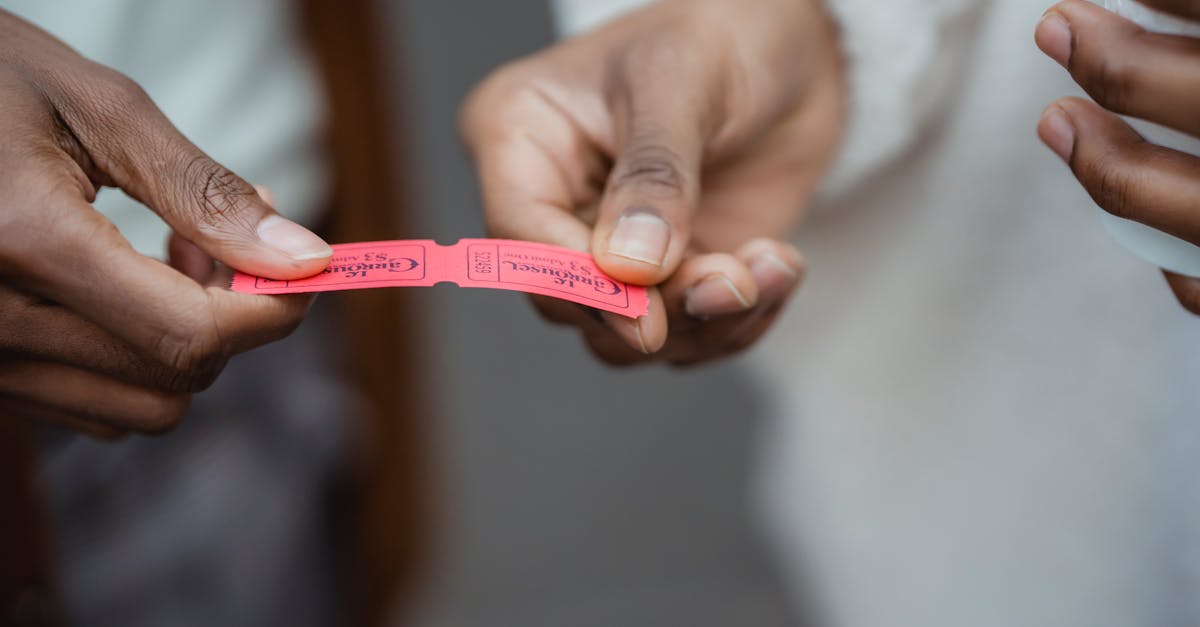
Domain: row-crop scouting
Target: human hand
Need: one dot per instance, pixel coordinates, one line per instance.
(1129, 71)
(92, 334)
(677, 145)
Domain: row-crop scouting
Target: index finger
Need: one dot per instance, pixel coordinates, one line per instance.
(525, 196)
(80, 260)
(536, 168)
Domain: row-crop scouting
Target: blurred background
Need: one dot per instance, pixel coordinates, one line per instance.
(571, 493)
(954, 445)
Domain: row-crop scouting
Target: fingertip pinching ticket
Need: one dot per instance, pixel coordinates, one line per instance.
(489, 263)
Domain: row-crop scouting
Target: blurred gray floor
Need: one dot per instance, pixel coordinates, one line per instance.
(574, 494)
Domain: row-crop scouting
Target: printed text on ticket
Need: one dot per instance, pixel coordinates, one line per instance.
(491, 263)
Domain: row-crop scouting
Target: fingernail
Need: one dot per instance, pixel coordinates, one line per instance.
(292, 239)
(773, 275)
(769, 263)
(1053, 36)
(1057, 131)
(637, 332)
(634, 327)
(714, 296)
(640, 235)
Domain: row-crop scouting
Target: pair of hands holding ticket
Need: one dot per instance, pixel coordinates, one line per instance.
(679, 145)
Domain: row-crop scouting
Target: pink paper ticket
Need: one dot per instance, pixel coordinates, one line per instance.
(492, 263)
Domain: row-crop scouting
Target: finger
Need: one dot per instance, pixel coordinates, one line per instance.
(707, 286)
(39, 330)
(1126, 175)
(536, 167)
(614, 350)
(711, 300)
(265, 194)
(540, 172)
(45, 331)
(557, 311)
(188, 258)
(1186, 289)
(646, 334)
(1125, 68)
(707, 300)
(91, 398)
(773, 268)
(723, 338)
(777, 267)
(13, 407)
(528, 196)
(141, 152)
(524, 196)
(662, 115)
(639, 335)
(165, 316)
(758, 269)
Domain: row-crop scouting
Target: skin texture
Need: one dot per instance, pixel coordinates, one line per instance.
(706, 124)
(92, 334)
(1129, 71)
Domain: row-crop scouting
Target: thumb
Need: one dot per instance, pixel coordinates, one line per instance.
(645, 218)
(203, 201)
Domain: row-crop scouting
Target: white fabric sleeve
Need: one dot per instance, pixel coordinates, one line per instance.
(902, 55)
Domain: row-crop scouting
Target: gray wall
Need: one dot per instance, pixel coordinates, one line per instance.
(573, 494)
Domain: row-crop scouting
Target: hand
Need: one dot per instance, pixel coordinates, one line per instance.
(93, 334)
(677, 145)
(1129, 71)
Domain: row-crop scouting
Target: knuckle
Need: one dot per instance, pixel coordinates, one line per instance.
(651, 166)
(218, 198)
(114, 98)
(672, 51)
(502, 225)
(1108, 76)
(123, 87)
(494, 101)
(45, 222)
(1113, 185)
(192, 360)
(163, 415)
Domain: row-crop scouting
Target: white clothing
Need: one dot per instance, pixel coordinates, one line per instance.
(987, 411)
